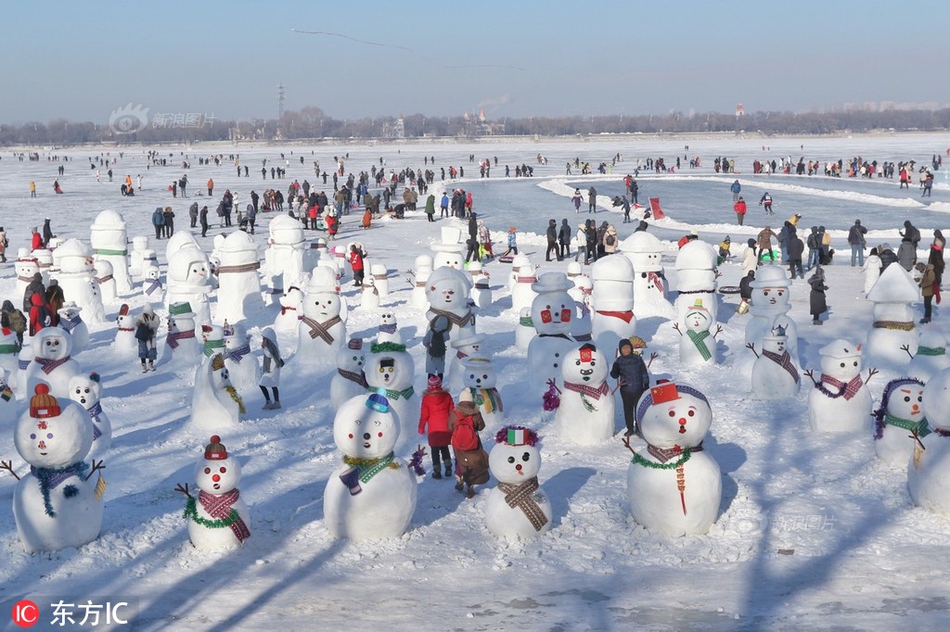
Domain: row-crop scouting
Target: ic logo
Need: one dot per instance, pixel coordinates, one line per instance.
(128, 120)
(25, 613)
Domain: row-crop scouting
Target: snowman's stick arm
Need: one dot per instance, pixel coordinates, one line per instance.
(183, 489)
(906, 349)
(8, 466)
(871, 373)
(626, 442)
(811, 376)
(96, 466)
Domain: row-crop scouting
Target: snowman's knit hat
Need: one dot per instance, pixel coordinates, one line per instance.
(516, 435)
(215, 451)
(43, 405)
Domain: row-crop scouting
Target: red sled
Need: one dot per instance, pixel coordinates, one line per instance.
(655, 209)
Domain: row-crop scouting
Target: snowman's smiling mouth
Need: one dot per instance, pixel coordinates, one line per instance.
(216, 486)
(366, 444)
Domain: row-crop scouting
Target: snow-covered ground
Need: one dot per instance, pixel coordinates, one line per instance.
(813, 532)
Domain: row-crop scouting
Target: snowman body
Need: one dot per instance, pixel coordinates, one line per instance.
(25, 267)
(381, 280)
(76, 276)
(369, 295)
(388, 328)
(931, 357)
(448, 292)
(612, 316)
(152, 288)
(774, 373)
(216, 478)
(421, 271)
(125, 343)
(586, 413)
(239, 285)
(320, 330)
(189, 281)
(524, 330)
(215, 404)
(110, 243)
(521, 293)
(894, 327)
(769, 310)
(243, 369)
(512, 466)
(900, 422)
(480, 380)
(552, 313)
(105, 280)
(697, 343)
(841, 402)
(928, 471)
(182, 346)
(349, 379)
(71, 320)
(644, 250)
(373, 495)
(285, 323)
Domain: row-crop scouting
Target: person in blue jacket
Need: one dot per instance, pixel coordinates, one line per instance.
(736, 188)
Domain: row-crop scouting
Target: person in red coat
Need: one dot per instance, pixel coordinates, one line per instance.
(37, 239)
(39, 313)
(740, 208)
(437, 405)
(356, 262)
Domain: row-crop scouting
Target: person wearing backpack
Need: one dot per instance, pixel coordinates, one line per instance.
(35, 286)
(435, 344)
(39, 313)
(610, 240)
(14, 319)
(437, 406)
(471, 460)
(146, 326)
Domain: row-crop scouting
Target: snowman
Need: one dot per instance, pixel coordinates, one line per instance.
(341, 261)
(212, 342)
(893, 333)
(698, 344)
(388, 328)
(466, 344)
(24, 360)
(840, 401)
(25, 267)
(140, 255)
(645, 251)
(182, 346)
(8, 405)
(369, 295)
(189, 281)
(283, 257)
(516, 507)
(900, 422)
(321, 329)
(215, 403)
(71, 321)
(931, 356)
(152, 284)
(110, 243)
(928, 470)
(450, 250)
(52, 362)
(349, 379)
(241, 364)
(9, 351)
(524, 331)
(770, 305)
(181, 240)
(611, 302)
(389, 371)
(448, 292)
(218, 518)
(125, 343)
(373, 495)
(481, 290)
(86, 390)
(585, 415)
(519, 261)
(77, 279)
(58, 505)
(239, 286)
(422, 268)
(380, 279)
(774, 373)
(480, 381)
(44, 259)
(521, 293)
(674, 486)
(105, 279)
(551, 312)
(696, 278)
(285, 324)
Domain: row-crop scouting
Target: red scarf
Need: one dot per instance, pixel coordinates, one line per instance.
(173, 337)
(49, 366)
(849, 390)
(219, 507)
(624, 316)
(585, 389)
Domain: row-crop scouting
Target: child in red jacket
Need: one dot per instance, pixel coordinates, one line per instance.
(437, 405)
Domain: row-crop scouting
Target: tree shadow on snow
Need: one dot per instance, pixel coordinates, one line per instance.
(561, 488)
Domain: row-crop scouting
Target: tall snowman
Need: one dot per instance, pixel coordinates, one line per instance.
(770, 304)
(111, 243)
(612, 315)
(422, 268)
(552, 312)
(374, 494)
(516, 507)
(450, 249)
(696, 277)
(645, 252)
(522, 295)
(215, 403)
(390, 371)
(283, 257)
(674, 486)
(77, 278)
(893, 333)
(59, 504)
(586, 412)
(928, 472)
(697, 341)
(840, 401)
(321, 322)
(931, 356)
(774, 373)
(189, 281)
(239, 285)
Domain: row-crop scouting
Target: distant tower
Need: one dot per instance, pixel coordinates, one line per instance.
(280, 101)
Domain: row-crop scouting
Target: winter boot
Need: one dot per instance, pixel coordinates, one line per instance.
(436, 474)
(448, 469)
(470, 493)
(151, 365)
(458, 484)
(275, 405)
(144, 368)
(267, 405)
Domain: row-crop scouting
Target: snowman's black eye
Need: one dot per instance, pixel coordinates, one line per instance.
(511, 459)
(526, 457)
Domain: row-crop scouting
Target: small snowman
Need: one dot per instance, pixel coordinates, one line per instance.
(524, 331)
(448, 292)
(521, 293)
(480, 381)
(56, 506)
(388, 328)
(181, 343)
(373, 495)
(380, 276)
(239, 285)
(218, 518)
(71, 321)
(321, 327)
(241, 365)
(931, 356)
(449, 251)
(422, 268)
(675, 486)
(369, 295)
(86, 390)
(466, 344)
(25, 267)
(152, 287)
(349, 379)
(900, 422)
(774, 374)
(481, 290)
(285, 324)
(516, 507)
(215, 403)
(698, 345)
(841, 401)
(770, 304)
(585, 415)
(9, 349)
(105, 279)
(389, 371)
(928, 471)
(125, 343)
(52, 362)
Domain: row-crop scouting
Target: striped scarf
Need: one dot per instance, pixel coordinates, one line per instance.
(849, 390)
(70, 323)
(368, 468)
(520, 496)
(698, 338)
(353, 376)
(586, 389)
(221, 508)
(174, 336)
(784, 360)
(94, 411)
(320, 329)
(153, 285)
(455, 319)
(211, 347)
(49, 366)
(393, 394)
(657, 281)
(237, 354)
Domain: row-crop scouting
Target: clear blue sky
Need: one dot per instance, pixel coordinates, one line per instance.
(81, 60)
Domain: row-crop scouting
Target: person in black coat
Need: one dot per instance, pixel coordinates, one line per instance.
(203, 220)
(473, 226)
(887, 256)
(633, 378)
(910, 232)
(35, 287)
(816, 299)
(48, 232)
(564, 240)
(552, 241)
(795, 249)
(591, 233)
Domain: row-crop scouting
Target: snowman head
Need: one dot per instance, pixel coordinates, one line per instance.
(775, 342)
(552, 308)
(350, 357)
(479, 373)
(237, 338)
(103, 268)
(387, 318)
(52, 343)
(216, 472)
(697, 317)
(180, 317)
(937, 400)
(467, 344)
(26, 267)
(770, 290)
(322, 305)
(85, 390)
(903, 398)
(291, 298)
(366, 427)
(674, 415)
(448, 289)
(585, 365)
(52, 433)
(151, 273)
(449, 258)
(69, 311)
(841, 360)
(516, 457)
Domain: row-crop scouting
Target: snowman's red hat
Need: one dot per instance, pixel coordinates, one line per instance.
(516, 435)
(215, 451)
(43, 405)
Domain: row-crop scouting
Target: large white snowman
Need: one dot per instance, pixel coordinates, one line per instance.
(111, 243)
(450, 250)
(448, 291)
(349, 379)
(239, 285)
(552, 313)
(422, 268)
(697, 342)
(674, 486)
(25, 267)
(645, 251)
(840, 401)
(58, 504)
(893, 333)
(390, 371)
(321, 328)
(70, 319)
(516, 507)
(900, 421)
(770, 304)
(189, 281)
(480, 380)
(931, 356)
(86, 390)
(52, 362)
(182, 347)
(611, 302)
(283, 257)
(77, 278)
(586, 413)
(521, 293)
(215, 403)
(218, 518)
(374, 494)
(774, 373)
(696, 277)
(928, 473)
